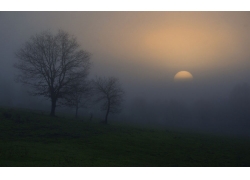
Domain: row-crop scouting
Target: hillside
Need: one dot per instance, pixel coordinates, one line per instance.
(29, 138)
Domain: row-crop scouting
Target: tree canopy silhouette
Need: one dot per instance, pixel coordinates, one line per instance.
(50, 64)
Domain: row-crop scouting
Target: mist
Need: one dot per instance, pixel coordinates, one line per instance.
(145, 50)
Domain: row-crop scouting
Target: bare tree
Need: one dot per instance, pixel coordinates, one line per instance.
(239, 101)
(110, 93)
(49, 64)
(78, 97)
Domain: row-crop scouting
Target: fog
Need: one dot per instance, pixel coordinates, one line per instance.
(145, 50)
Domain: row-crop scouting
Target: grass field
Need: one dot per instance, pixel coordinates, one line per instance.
(33, 139)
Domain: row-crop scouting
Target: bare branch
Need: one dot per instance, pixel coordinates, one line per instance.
(109, 92)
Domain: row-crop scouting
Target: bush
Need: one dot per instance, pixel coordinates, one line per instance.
(7, 115)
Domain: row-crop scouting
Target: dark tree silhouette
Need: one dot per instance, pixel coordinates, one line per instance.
(110, 93)
(240, 101)
(78, 96)
(49, 64)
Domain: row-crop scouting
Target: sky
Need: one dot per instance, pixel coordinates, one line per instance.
(143, 49)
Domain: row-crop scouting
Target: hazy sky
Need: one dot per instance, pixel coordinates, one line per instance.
(145, 49)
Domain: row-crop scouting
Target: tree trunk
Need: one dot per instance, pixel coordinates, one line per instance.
(106, 117)
(53, 107)
(107, 113)
(76, 115)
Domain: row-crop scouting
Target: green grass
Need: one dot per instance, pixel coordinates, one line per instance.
(33, 139)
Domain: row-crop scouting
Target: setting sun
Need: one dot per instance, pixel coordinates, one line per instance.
(183, 76)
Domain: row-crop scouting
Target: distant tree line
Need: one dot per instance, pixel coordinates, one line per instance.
(55, 66)
(230, 113)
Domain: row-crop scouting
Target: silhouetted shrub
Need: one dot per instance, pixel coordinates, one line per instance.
(17, 118)
(7, 115)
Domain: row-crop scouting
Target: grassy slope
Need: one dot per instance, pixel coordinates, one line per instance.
(38, 140)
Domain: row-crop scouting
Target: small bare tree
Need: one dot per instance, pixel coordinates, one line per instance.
(110, 93)
(78, 96)
(49, 64)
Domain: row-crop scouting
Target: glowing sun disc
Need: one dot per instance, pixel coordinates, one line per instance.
(183, 76)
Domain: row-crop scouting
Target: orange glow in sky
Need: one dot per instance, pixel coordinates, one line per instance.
(191, 45)
(174, 41)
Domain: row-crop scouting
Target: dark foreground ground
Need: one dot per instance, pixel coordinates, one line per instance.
(33, 139)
